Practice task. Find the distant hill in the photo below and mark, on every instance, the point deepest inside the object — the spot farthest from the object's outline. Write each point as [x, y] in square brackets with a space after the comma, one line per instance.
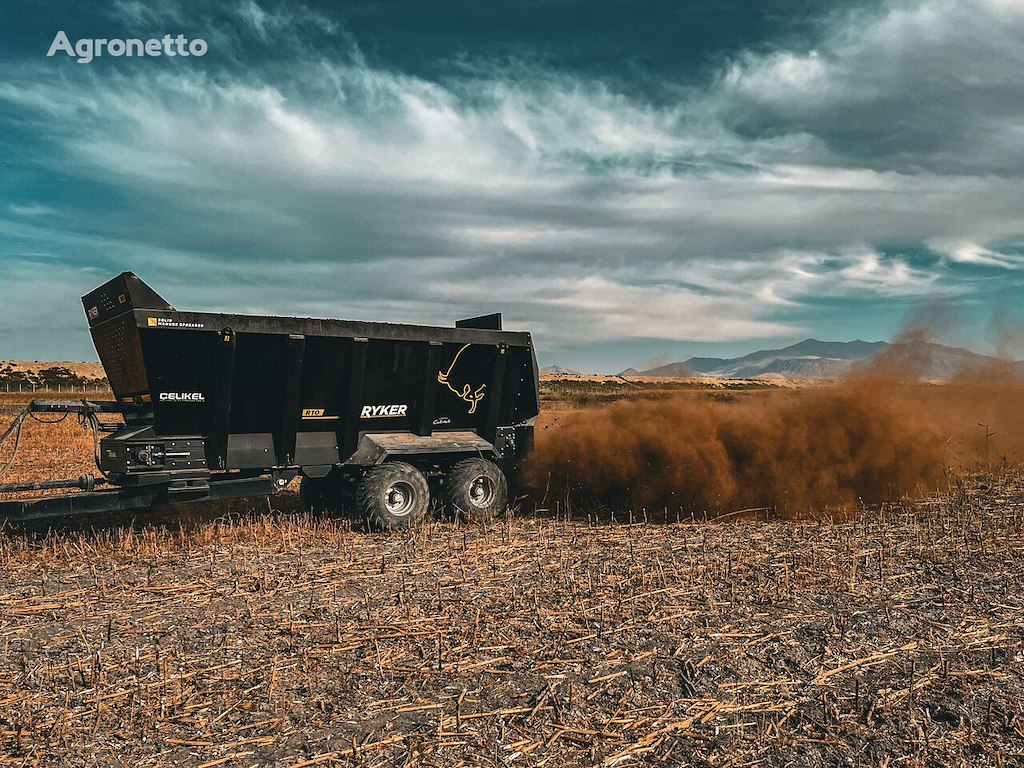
[814, 359]
[557, 370]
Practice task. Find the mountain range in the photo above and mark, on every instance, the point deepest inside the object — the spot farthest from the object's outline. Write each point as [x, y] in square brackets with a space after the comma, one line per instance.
[814, 359]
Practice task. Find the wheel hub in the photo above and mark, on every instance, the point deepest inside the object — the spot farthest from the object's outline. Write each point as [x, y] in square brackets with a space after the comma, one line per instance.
[400, 499]
[481, 492]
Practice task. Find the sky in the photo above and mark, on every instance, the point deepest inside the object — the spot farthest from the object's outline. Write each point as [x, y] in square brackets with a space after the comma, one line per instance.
[631, 180]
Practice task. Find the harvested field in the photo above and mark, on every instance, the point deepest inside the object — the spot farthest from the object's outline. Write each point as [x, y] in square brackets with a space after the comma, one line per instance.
[88, 370]
[227, 635]
[567, 392]
[285, 640]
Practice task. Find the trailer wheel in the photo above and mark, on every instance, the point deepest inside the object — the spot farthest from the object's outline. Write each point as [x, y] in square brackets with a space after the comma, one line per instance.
[477, 490]
[393, 495]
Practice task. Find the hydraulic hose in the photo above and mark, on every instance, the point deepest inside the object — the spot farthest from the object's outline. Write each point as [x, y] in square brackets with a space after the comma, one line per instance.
[88, 420]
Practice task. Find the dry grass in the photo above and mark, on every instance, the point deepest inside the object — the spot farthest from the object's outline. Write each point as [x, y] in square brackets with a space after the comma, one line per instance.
[51, 447]
[268, 637]
[91, 370]
[286, 640]
[560, 393]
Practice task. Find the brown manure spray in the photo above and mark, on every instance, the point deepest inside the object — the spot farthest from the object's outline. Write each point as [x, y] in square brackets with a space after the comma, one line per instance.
[871, 438]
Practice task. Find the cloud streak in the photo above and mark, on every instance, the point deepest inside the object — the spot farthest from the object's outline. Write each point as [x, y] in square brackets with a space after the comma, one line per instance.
[883, 163]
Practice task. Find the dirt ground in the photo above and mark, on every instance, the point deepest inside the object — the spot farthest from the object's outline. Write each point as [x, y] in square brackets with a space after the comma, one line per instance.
[276, 639]
[256, 635]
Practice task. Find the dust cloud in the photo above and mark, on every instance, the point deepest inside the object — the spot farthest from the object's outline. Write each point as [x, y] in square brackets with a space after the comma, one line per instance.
[871, 438]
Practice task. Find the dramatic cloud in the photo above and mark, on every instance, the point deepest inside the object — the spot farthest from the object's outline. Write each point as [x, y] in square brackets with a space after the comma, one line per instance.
[288, 172]
[926, 86]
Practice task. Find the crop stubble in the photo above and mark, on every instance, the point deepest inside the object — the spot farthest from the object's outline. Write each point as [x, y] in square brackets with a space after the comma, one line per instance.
[282, 639]
[294, 641]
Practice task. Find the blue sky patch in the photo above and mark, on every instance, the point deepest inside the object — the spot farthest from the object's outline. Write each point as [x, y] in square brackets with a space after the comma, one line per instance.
[629, 180]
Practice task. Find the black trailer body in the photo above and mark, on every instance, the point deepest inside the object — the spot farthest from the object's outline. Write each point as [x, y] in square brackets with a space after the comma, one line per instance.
[212, 398]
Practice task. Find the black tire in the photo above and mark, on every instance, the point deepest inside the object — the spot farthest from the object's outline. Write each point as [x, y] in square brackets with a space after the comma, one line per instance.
[393, 496]
[476, 490]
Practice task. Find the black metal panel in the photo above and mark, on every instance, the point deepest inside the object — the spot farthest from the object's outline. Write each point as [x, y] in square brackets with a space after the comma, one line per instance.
[496, 403]
[122, 294]
[513, 443]
[134, 498]
[483, 322]
[290, 405]
[251, 451]
[523, 392]
[136, 455]
[78, 504]
[182, 371]
[257, 392]
[191, 321]
[392, 386]
[348, 433]
[117, 344]
[316, 449]
[115, 331]
[379, 446]
[427, 409]
[326, 376]
[220, 404]
[464, 378]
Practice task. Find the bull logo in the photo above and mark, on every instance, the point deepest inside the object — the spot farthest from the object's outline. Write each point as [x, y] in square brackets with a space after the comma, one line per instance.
[465, 391]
